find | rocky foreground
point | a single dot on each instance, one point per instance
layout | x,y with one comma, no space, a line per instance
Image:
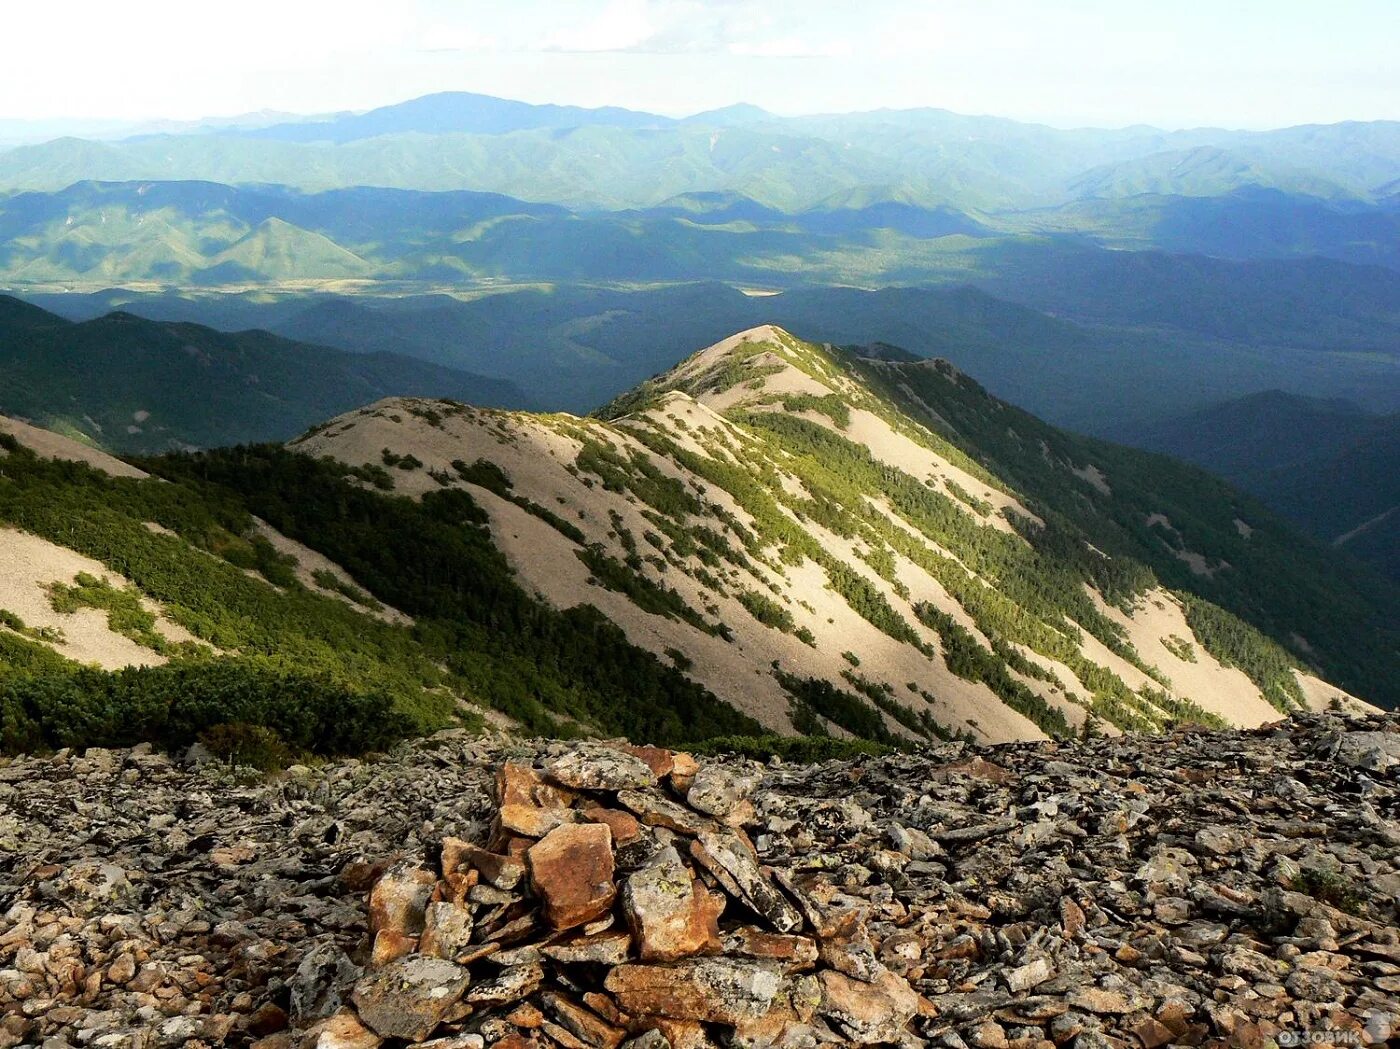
1192,889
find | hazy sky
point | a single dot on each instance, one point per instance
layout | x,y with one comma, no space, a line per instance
1245,63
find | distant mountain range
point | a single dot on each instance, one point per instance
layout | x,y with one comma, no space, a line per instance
1089,339
616,158
453,112
134,385
98,234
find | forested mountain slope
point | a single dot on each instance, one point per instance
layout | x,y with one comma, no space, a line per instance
772,511
141,608
1328,466
131,384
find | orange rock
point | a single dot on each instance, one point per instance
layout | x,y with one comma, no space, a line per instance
658,759
1152,1033
624,825
233,855
706,990
868,1013
390,946
360,877
605,1007
530,806
794,953
526,1016
454,887
341,1031
571,869
1072,918
681,1034
683,770
974,768
399,898
503,872
582,1023
671,915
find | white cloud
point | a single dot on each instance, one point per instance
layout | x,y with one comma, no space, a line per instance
617,25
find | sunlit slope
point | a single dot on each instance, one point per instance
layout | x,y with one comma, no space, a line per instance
804,531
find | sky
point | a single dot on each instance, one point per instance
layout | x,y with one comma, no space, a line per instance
1172,63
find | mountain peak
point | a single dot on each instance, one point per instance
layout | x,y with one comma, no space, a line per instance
791,518
731,116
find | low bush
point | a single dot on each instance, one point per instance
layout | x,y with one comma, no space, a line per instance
250,746
799,749
173,705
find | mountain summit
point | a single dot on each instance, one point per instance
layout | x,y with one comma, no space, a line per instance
873,546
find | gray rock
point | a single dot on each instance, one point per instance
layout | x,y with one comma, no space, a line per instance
407,998
320,979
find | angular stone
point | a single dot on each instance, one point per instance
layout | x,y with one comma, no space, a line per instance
92,886
455,1041
913,842
832,915
718,789
389,946
656,811
683,770
679,1034
988,1035
1097,1000
399,899
868,1013
1371,751
1032,974
624,826
320,978
1221,841
502,872
1168,872
1072,918
606,948
670,914
660,760
527,805
652,1039
571,869
341,1031
852,953
447,931
409,997
705,990
596,767
582,1023
727,852
526,1016
511,985
793,953
1152,1034
973,768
